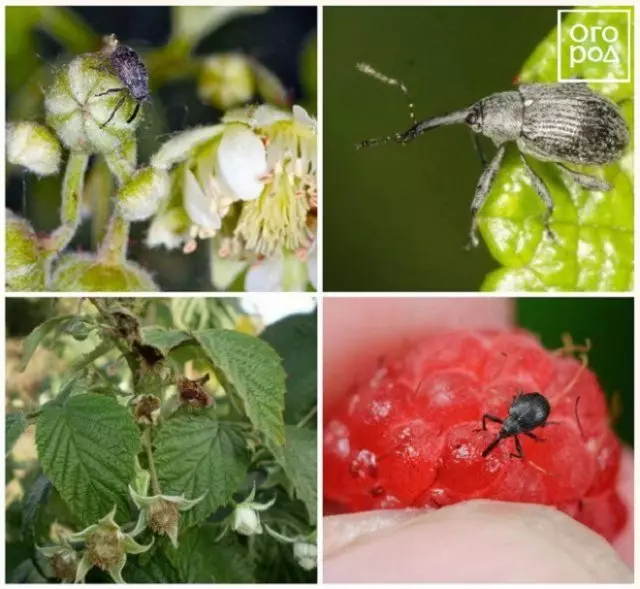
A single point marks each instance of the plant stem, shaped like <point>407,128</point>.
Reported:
<point>113,249</point>
<point>72,186</point>
<point>307,417</point>
<point>146,441</point>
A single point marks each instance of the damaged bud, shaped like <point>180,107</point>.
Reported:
<point>192,392</point>
<point>150,354</point>
<point>126,326</point>
<point>146,409</point>
<point>105,547</point>
<point>64,565</point>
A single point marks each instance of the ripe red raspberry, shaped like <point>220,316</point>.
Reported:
<point>407,435</point>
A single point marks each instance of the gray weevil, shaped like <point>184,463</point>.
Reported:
<point>527,411</point>
<point>554,122</point>
<point>131,71</point>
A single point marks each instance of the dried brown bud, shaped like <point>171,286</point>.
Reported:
<point>64,565</point>
<point>163,516</point>
<point>192,392</point>
<point>146,409</point>
<point>105,547</point>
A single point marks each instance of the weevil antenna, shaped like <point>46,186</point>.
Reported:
<point>368,70</point>
<point>418,129</point>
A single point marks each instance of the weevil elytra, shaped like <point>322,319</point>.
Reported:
<point>553,122</point>
<point>131,71</point>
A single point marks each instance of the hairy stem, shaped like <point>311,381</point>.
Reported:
<point>146,442</point>
<point>113,249</point>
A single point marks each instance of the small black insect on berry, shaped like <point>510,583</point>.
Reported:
<point>131,71</point>
<point>527,412</point>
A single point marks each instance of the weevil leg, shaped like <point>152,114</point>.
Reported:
<point>135,112</point>
<point>113,113</point>
<point>534,437</point>
<point>478,147</point>
<point>586,181</point>
<point>543,192</point>
<point>520,453</point>
<point>486,417</point>
<point>492,445</point>
<point>482,190</point>
<point>111,91</point>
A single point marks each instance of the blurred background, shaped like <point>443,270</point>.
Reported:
<point>397,219</point>
<point>608,324</point>
<point>39,39</point>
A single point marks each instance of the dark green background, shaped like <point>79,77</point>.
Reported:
<point>397,219</point>
<point>608,323</point>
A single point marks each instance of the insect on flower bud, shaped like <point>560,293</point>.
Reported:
<point>33,146</point>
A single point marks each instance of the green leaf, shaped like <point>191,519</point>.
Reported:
<point>298,458</point>
<point>594,248</point>
<point>202,560</point>
<point>14,426</point>
<point>295,338</point>
<point>150,567</point>
<point>197,455</point>
<point>35,338</point>
<point>90,357</point>
<point>254,371</point>
<point>87,448</point>
<point>163,339</point>
<point>36,497</point>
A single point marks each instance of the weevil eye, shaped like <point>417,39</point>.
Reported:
<point>472,119</point>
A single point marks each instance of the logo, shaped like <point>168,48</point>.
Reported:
<point>584,48</point>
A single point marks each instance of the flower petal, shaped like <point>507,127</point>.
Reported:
<point>198,204</point>
<point>242,161</point>
<point>265,276</point>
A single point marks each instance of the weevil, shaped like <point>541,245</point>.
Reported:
<point>527,412</point>
<point>131,71</point>
<point>552,122</point>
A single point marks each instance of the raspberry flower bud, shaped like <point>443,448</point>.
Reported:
<point>306,555</point>
<point>25,260</point>
<point>139,198</point>
<point>161,513</point>
<point>86,272</point>
<point>64,562</point>
<point>107,546</point>
<point>245,519</point>
<point>33,146</point>
<point>305,550</point>
<point>226,80</point>
<point>77,106</point>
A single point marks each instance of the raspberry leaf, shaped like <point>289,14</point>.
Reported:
<point>593,250</point>
<point>298,458</point>
<point>164,339</point>
<point>14,426</point>
<point>197,455</point>
<point>254,372</point>
<point>295,339</point>
<point>37,336</point>
<point>87,447</point>
<point>201,559</point>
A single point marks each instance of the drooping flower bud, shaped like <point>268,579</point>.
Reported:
<point>139,198</point>
<point>33,146</point>
<point>86,272</point>
<point>306,555</point>
<point>226,80</point>
<point>25,261</point>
